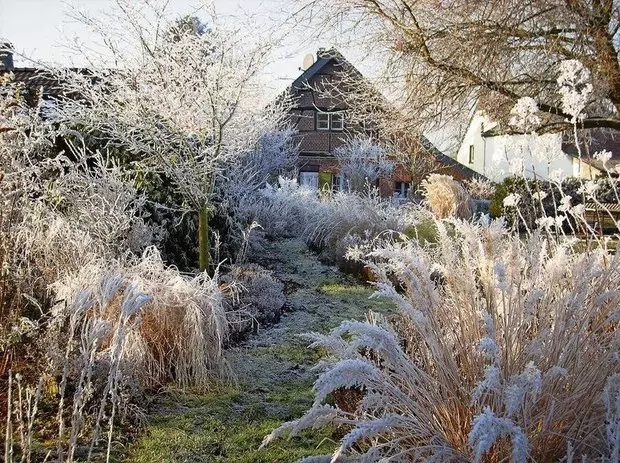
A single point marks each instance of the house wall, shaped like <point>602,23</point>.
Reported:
<point>317,146</point>
<point>473,136</point>
<point>498,157</point>
<point>585,170</point>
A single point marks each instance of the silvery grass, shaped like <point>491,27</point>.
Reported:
<point>118,327</point>
<point>506,350</point>
<point>446,197</point>
<point>326,219</point>
<point>182,330</point>
<point>91,339</point>
<point>506,347</point>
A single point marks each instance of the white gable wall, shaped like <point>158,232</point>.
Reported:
<point>501,156</point>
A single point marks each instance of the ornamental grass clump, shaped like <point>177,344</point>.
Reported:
<point>88,351</point>
<point>182,329</point>
<point>344,215</point>
<point>446,197</point>
<point>505,350</point>
<point>328,222</point>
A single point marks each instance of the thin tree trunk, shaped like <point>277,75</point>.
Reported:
<point>203,238</point>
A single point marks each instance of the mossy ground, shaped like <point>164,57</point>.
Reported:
<point>273,375</point>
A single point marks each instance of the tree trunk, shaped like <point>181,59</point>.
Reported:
<point>203,238</point>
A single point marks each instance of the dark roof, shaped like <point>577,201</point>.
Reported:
<point>35,79</point>
<point>593,141</point>
<point>324,57</point>
<point>448,161</point>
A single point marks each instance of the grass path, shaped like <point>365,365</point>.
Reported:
<point>273,371</point>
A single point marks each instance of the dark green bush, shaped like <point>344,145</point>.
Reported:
<point>530,208</point>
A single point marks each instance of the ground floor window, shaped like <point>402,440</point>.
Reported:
<point>339,183</point>
<point>401,189</point>
<point>309,179</point>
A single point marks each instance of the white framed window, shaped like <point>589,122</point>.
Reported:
<point>329,121</point>
<point>339,183</point>
<point>309,179</point>
<point>336,121</point>
<point>322,121</point>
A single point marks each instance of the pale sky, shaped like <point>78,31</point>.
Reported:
<point>39,28</point>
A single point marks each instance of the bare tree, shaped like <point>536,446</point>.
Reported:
<point>182,96</point>
<point>447,53</point>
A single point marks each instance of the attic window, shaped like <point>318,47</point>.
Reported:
<point>322,121</point>
<point>329,121</point>
<point>336,121</point>
<point>471,154</point>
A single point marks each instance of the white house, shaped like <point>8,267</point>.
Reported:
<point>497,156</point>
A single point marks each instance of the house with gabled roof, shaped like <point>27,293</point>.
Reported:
<point>492,149</point>
<point>324,123</point>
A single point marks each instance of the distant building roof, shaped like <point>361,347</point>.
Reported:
<point>35,79</point>
<point>450,162</point>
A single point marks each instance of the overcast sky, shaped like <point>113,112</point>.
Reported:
<point>40,29</point>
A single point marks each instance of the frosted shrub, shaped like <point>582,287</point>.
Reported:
<point>362,161</point>
<point>282,210</point>
<point>480,188</point>
<point>328,222</point>
<point>260,298</point>
<point>505,350</point>
<point>558,205</point>
<point>446,197</point>
<point>346,215</point>
<point>187,102</point>
<point>78,302</point>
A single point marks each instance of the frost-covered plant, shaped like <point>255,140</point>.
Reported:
<point>524,115</point>
<point>92,367</point>
<point>184,100</point>
<point>70,228</point>
<point>480,188</point>
<point>328,221</point>
<point>446,197</point>
<point>282,210</point>
<point>575,88</point>
<point>259,300</point>
<point>362,161</point>
<point>347,214</point>
<point>555,205</point>
<point>503,352</point>
<point>275,153</point>
<point>237,188</point>
<point>182,328</point>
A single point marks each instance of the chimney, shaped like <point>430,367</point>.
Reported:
<point>6,56</point>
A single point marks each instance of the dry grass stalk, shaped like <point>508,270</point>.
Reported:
<point>446,197</point>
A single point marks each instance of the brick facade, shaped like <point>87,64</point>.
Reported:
<point>317,144</point>
<point>318,139</point>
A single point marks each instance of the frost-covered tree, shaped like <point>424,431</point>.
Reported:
<point>184,98</point>
<point>362,161</point>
